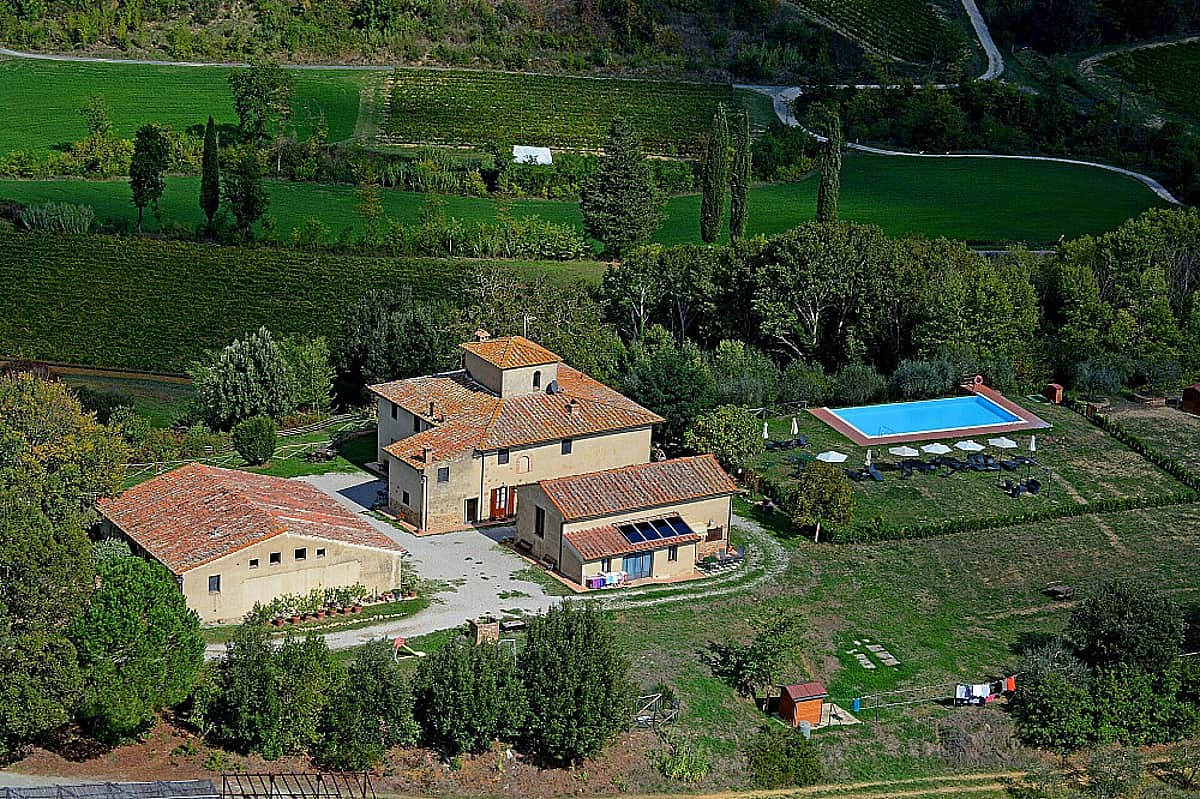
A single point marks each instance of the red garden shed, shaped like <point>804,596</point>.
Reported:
<point>1191,399</point>
<point>802,702</point>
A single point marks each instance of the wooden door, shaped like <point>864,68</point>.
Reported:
<point>500,502</point>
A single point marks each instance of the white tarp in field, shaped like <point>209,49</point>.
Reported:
<point>532,155</point>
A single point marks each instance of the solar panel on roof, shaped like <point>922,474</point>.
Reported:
<point>679,526</point>
<point>647,530</point>
<point>631,534</point>
<point>663,526</point>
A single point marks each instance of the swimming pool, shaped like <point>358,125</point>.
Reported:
<point>958,415</point>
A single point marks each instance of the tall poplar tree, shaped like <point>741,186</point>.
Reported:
<point>831,171</point>
<point>621,205</point>
<point>739,179</point>
<point>715,177</point>
<point>210,174</point>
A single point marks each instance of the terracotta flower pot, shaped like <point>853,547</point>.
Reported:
<point>356,609</point>
<point>294,620</point>
<point>277,622</point>
<point>320,614</point>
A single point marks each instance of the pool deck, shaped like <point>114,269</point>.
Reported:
<point>1028,421</point>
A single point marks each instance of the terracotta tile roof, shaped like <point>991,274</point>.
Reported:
<point>198,513</point>
<point>803,691</point>
<point>467,416</point>
<point>511,352</point>
<point>606,541</point>
<point>646,485</point>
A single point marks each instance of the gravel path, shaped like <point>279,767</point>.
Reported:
<point>995,67</point>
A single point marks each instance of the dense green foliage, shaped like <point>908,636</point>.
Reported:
<point>1167,74</point>
<point>242,190</point>
<point>715,173</point>
<point>57,218</point>
<point>821,496</point>
<point>621,206</point>
<point>468,696</point>
<point>830,187</point>
<point>140,645</point>
<point>255,439</point>
<point>741,174</point>
<point>578,692</point>
<point>210,173</point>
<point>249,377</point>
<point>146,168</point>
<point>1115,676</point>
<point>262,97</point>
<point>1059,26</point>
<point>782,758</point>
<point>671,381</point>
<point>729,432</point>
<point>47,577</point>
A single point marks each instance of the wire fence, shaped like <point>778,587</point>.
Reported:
<point>166,789</point>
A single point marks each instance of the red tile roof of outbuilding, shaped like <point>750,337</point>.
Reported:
<point>198,513</point>
<point>645,485</point>
<point>803,691</point>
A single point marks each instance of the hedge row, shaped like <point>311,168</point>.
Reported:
<point>143,303</point>
<point>1168,464</point>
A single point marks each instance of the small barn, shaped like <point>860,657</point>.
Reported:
<point>1191,399</point>
<point>802,702</point>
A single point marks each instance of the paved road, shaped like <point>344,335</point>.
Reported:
<point>474,565</point>
<point>995,67</point>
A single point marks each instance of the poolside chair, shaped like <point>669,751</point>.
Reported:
<point>905,469</point>
<point>853,474</point>
<point>1026,461</point>
<point>1033,485</point>
<point>989,463</point>
<point>1009,466</point>
<point>1017,491</point>
<point>875,475</point>
<point>925,468</point>
<point>802,441</point>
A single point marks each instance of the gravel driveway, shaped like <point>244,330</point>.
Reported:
<point>474,565</point>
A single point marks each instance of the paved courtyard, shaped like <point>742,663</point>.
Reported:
<point>472,566</point>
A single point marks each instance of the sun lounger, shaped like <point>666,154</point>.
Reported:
<point>1009,466</point>
<point>875,475</point>
<point>1025,461</point>
<point>853,474</point>
<point>1033,485</point>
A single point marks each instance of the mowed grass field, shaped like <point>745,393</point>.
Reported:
<point>1170,74</point>
<point>1078,464</point>
<point>974,200</point>
<point>42,100</point>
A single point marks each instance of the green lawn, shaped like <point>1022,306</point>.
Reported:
<point>1168,430</point>
<point>44,99</point>
<point>1079,463</point>
<point>974,200</point>
<point>162,401</point>
<point>951,608</point>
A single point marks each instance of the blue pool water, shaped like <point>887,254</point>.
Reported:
<point>927,416</point>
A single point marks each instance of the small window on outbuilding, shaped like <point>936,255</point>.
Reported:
<point>537,379</point>
<point>539,522</point>
<point>416,423</point>
<point>404,499</point>
<point>523,465</point>
<point>214,584</point>
<point>673,552</point>
<point>321,552</point>
<point>502,456</point>
<point>444,474</point>
<point>567,445</point>
<point>395,412</point>
<point>253,563</point>
<point>301,553</point>
<point>606,565</point>
<point>276,558</point>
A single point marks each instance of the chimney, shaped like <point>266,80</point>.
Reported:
<point>573,407</point>
<point>482,335</point>
<point>432,409</point>
<point>427,453</point>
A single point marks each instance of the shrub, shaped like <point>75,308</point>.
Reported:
<point>576,679</point>
<point>1126,622</point>
<point>801,382</point>
<point>782,758</point>
<point>372,711</point>
<point>1099,376</point>
<point>731,433</point>
<point>858,384</point>
<point>58,218</point>
<point>684,760</point>
<point>467,696</point>
<point>922,379</point>
<point>254,439</point>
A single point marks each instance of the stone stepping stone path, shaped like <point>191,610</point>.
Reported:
<point>878,650</point>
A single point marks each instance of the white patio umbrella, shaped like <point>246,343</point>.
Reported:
<point>969,446</point>
<point>1033,443</point>
<point>766,435</point>
<point>904,452</point>
<point>936,448</point>
<point>795,427</point>
<point>829,456</point>
<point>868,457</point>
<point>1002,443</point>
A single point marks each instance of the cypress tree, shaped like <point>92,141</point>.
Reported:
<point>739,179</point>
<point>621,205</point>
<point>831,171</point>
<point>715,178</point>
<point>210,174</point>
